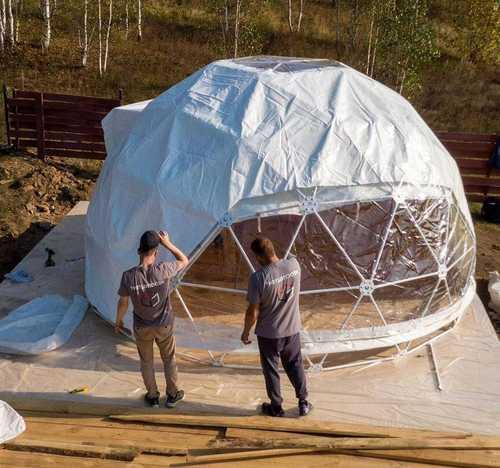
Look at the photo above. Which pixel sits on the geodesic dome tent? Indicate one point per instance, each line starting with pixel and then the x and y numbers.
pixel 334 167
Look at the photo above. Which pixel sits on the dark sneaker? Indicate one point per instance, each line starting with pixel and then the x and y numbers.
pixel 173 400
pixel 270 410
pixel 305 408
pixel 153 402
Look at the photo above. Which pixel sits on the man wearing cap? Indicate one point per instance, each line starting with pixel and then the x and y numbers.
pixel 148 285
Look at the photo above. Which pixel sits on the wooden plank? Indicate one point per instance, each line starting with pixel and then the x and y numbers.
pixel 364 443
pixel 9 458
pixel 73 136
pixel 71 449
pixel 30 134
pixel 78 106
pixel 74 116
pixel 457 458
pixel 93 147
pixel 481 182
pixel 282 458
pixel 76 154
pixel 99 422
pixel 458 136
pixel 475 197
pixel 476 149
pixel 6 110
pixel 153 442
pixel 85 99
pixel 256 434
pixel 246 455
pixel 78 128
pixel 40 129
pixel 309 426
pixel 471 163
pixel 67 97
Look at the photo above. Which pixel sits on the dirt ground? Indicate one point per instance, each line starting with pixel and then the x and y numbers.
pixel 35 195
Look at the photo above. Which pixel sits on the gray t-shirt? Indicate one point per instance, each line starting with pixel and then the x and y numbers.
pixel 276 289
pixel 149 290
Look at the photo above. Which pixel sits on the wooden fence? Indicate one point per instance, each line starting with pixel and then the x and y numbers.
pixel 472 152
pixel 70 126
pixel 58 125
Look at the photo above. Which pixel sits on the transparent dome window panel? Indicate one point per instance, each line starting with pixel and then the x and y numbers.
pixel 460 241
pixel 432 216
pixel 281 229
pixel 210 307
pixel 221 264
pixel 325 311
pixel 324 264
pixel 364 313
pixel 359 228
pixel 459 275
pixel 408 252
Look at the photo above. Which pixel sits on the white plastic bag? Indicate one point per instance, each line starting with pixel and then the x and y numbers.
pixel 11 423
pixel 494 290
pixel 41 325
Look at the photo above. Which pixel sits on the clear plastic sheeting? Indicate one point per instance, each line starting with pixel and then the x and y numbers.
pixel 334 167
pixel 11 423
pixel 41 325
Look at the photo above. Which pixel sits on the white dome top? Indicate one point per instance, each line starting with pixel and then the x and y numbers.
pixel 253 127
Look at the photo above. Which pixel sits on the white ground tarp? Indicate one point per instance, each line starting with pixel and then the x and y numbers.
pixel 242 137
pixel 41 325
pixel 11 423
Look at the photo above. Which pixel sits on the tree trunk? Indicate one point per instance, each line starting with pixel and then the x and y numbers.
pixel 301 13
pixel 18 12
pixel 237 17
pixel 99 31
pixel 139 20
pixel 337 28
pixel 374 53
pixel 126 19
pixel 370 36
pixel 10 24
pixel 108 32
pixel 84 42
pixel 47 16
pixel 2 28
pixel 299 19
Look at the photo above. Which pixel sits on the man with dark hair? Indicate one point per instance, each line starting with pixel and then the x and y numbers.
pixel 148 285
pixel 273 296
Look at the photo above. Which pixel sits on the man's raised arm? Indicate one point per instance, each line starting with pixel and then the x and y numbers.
pixel 182 260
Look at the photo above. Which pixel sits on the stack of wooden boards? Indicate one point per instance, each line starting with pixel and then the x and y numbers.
pixel 159 438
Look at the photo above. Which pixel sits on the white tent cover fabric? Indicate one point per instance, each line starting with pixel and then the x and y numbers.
pixel 247 136
pixel 41 325
pixel 11 423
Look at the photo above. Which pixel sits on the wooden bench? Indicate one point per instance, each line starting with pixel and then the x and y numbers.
pixel 58 125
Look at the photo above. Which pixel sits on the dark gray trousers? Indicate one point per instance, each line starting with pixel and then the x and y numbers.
pixel 288 350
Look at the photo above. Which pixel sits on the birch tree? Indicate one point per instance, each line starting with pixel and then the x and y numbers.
pixel 9 17
pixel 295 26
pixel 83 35
pixel 139 20
pixel 126 19
pixel 239 31
pixel 2 27
pixel 19 5
pixel 407 42
pixel 108 32
pixel 99 32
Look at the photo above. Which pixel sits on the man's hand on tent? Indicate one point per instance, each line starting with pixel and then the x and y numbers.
pixel 164 238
